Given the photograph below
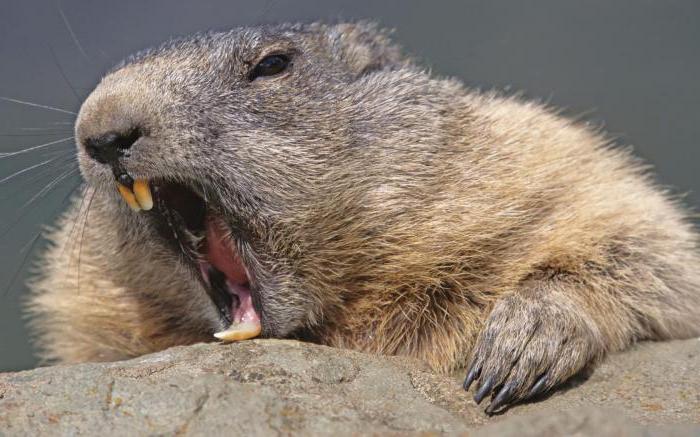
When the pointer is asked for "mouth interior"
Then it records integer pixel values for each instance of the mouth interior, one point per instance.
(204, 238)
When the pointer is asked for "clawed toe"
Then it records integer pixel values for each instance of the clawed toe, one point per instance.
(484, 390)
(504, 396)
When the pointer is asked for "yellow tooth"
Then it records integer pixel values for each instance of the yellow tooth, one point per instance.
(239, 331)
(129, 197)
(142, 192)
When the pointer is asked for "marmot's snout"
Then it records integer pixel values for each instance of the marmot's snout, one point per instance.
(113, 120)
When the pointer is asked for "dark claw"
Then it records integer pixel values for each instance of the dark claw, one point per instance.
(502, 398)
(539, 387)
(484, 390)
(472, 375)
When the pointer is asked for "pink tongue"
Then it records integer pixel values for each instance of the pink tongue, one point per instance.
(244, 313)
(222, 254)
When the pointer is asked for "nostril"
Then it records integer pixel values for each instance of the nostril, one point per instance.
(109, 147)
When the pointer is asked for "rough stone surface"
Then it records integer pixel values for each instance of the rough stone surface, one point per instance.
(271, 387)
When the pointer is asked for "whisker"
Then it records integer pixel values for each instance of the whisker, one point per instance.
(66, 174)
(63, 74)
(70, 30)
(24, 170)
(45, 134)
(30, 245)
(82, 234)
(37, 105)
(71, 234)
(28, 183)
(37, 147)
(42, 128)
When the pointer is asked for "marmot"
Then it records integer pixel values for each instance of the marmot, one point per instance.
(311, 181)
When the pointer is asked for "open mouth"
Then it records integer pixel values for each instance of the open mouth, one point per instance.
(201, 235)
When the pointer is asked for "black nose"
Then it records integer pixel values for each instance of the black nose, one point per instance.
(109, 147)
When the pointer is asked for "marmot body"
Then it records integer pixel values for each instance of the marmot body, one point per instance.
(358, 202)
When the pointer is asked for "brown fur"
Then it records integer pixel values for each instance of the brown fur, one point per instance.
(396, 213)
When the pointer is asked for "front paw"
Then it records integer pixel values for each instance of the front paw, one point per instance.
(530, 344)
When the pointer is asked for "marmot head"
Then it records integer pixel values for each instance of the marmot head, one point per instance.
(259, 155)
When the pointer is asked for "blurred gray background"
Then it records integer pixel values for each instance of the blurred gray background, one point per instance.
(633, 65)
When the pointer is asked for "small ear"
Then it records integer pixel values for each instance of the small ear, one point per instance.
(365, 47)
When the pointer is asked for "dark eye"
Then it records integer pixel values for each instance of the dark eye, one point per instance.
(269, 66)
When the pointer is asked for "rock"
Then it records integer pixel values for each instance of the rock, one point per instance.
(269, 387)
